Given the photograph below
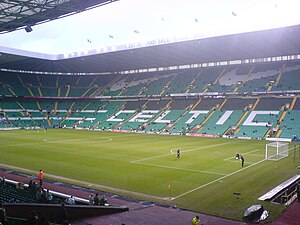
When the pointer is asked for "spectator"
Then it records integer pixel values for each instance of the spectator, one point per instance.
(30, 185)
(43, 196)
(34, 187)
(38, 194)
(91, 199)
(70, 200)
(96, 199)
(49, 196)
(103, 200)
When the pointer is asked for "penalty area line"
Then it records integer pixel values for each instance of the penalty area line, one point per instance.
(182, 169)
(199, 148)
(171, 152)
(246, 153)
(214, 181)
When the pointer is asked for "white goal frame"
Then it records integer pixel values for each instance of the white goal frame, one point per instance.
(277, 150)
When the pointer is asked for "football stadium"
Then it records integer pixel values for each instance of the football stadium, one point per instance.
(149, 131)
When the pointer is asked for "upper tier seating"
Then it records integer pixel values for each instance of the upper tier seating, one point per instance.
(181, 82)
(204, 79)
(157, 85)
(238, 78)
(260, 78)
(289, 80)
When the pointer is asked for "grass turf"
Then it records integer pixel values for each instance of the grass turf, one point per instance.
(146, 167)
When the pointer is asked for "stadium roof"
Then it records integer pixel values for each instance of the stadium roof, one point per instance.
(155, 53)
(268, 43)
(18, 14)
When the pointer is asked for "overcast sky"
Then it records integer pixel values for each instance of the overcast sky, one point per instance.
(127, 21)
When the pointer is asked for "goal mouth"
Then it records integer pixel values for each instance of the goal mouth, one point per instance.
(276, 151)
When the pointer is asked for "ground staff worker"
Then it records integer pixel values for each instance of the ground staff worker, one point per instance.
(196, 220)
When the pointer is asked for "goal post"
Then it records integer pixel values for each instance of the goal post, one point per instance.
(277, 150)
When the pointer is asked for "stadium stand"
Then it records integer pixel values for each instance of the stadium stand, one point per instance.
(289, 127)
(288, 79)
(154, 104)
(181, 82)
(259, 78)
(220, 100)
(221, 121)
(20, 199)
(219, 116)
(238, 86)
(205, 79)
(254, 101)
(158, 84)
(106, 121)
(9, 193)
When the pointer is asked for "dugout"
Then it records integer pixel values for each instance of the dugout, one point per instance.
(285, 192)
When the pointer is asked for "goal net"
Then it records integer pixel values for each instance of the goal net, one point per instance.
(277, 150)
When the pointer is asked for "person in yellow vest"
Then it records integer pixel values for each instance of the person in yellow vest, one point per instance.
(196, 220)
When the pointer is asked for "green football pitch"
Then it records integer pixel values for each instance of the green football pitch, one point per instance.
(145, 167)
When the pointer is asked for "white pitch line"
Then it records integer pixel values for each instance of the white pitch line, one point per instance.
(58, 140)
(193, 149)
(93, 185)
(233, 157)
(20, 144)
(214, 181)
(183, 169)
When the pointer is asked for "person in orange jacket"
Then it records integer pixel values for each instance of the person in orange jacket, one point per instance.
(40, 177)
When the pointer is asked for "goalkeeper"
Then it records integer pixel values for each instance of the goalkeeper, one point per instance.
(243, 160)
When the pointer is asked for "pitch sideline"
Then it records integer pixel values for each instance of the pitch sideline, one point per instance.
(88, 184)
